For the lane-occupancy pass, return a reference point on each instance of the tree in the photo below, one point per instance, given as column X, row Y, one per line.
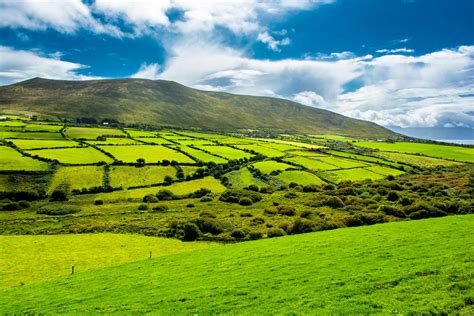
column 141, row 161
column 168, row 180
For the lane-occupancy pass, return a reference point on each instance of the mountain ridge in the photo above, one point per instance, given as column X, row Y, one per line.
column 167, row 103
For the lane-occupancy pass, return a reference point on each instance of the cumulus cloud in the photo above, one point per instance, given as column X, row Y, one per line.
column 147, row 71
column 407, row 91
column 271, row 42
column 17, row 65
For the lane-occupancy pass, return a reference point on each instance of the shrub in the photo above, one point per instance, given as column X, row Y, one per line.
column 346, row 191
column 210, row 225
column 275, row 232
column 286, row 210
column 391, row 210
column 191, row 232
column 419, row 214
column 190, row 205
column 392, row 196
column 58, row 195
column 275, row 203
column 165, row 195
column 306, row 214
column 291, row 195
column 238, row 234
column 24, row 204
column 254, row 235
column 160, row 208
column 252, row 187
column 311, row 188
column 405, row 201
column 328, row 187
column 292, row 185
column 11, row 206
column 58, row 210
column 234, row 196
column 334, row 202
column 142, row 207
column 150, row 198
column 206, row 198
column 301, row 226
column 98, row 202
column 168, row 180
column 257, row 221
column 245, row 201
column 266, row 190
column 246, row 214
column 201, row 193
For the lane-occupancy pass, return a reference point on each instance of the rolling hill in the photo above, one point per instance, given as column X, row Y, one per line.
column 167, row 103
column 364, row 270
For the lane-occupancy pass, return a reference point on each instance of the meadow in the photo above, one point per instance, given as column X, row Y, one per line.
column 151, row 153
column 363, row 270
column 415, row 160
column 201, row 155
column 299, row 177
column 268, row 166
column 225, row 152
column 42, row 143
column 85, row 155
column 127, row 176
column 92, row 132
column 30, row 135
column 68, row 179
column 11, row 160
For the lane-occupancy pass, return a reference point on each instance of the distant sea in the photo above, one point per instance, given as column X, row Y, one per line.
column 457, row 141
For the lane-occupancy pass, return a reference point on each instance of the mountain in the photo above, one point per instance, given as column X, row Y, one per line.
column 159, row 102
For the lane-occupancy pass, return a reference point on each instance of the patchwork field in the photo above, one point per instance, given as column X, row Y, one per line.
column 201, row 155
column 268, row 166
column 42, row 143
column 86, row 155
column 31, row 135
column 225, row 152
column 376, row 269
column 266, row 151
column 462, row 154
column 154, row 140
column 77, row 178
column 151, row 153
column 311, row 164
column 420, row 161
column 11, row 160
column 127, row 176
column 356, row 174
column 92, row 132
column 114, row 141
column 299, row 177
column 243, row 178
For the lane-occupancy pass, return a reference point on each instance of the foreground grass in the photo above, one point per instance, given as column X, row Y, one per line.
column 30, row 259
column 418, row 266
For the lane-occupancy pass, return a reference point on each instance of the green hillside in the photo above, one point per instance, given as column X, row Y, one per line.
column 169, row 103
column 405, row 267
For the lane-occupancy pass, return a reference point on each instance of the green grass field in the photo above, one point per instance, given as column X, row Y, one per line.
column 86, row 155
column 201, row 155
column 268, row 166
column 43, row 143
column 242, row 178
column 311, row 164
column 341, row 162
column 364, row 158
column 365, row 270
column 31, row 135
column 33, row 259
column 114, row 141
column 299, row 177
column 151, row 153
column 420, row 161
column 127, row 176
column 11, row 160
column 458, row 153
column 356, row 174
column 292, row 143
column 137, row 133
column 76, row 178
column 266, row 151
column 92, row 132
column 43, row 128
column 225, row 152
column 154, row 140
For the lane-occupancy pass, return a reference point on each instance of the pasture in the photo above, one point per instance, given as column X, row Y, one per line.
column 268, row 166
column 363, row 270
column 151, row 153
column 299, row 177
column 127, row 176
column 33, row 259
column 85, row 155
column 415, row 160
column 92, row 132
column 154, row 140
column 266, row 151
column 225, row 152
column 114, row 141
column 31, row 135
column 11, row 160
column 201, row 155
column 43, row 143
column 42, row 128
column 311, row 164
column 242, row 178
column 457, row 153
column 356, row 174
column 76, row 178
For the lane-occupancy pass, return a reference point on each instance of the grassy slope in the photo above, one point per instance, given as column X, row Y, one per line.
column 422, row 266
column 156, row 102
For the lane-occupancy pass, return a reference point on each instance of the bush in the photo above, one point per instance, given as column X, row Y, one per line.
column 190, row 205
column 142, row 207
column 405, row 201
column 419, row 214
column 334, row 202
column 275, row 232
column 168, row 180
column 245, row 201
column 306, row 214
column 286, row 210
column 246, row 214
column 238, row 234
column 191, row 232
column 391, row 210
column 165, row 195
column 252, row 187
column 11, row 206
column 207, row 214
column 346, row 191
column 275, row 203
column 210, row 225
column 301, row 226
column 392, row 196
column 254, row 235
column 150, row 198
column 291, row 195
column 24, row 204
column 292, row 185
column 58, row 195
column 98, row 202
column 160, row 208
column 58, row 210
column 266, row 190
column 201, row 193
column 234, row 196
column 257, row 221
column 206, row 198
column 311, row 188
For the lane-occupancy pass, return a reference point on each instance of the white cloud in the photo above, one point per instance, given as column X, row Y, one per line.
column 399, row 90
column 396, row 50
column 17, row 65
column 147, row 71
column 271, row 42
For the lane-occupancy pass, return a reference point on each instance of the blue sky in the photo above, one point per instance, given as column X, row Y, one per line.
column 395, row 62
